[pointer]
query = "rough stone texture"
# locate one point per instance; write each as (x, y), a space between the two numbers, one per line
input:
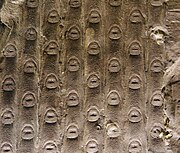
(90, 76)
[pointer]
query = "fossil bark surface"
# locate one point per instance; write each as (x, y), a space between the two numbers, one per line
(90, 76)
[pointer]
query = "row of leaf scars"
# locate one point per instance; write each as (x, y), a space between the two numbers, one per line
(50, 81)
(28, 74)
(154, 95)
(135, 96)
(8, 104)
(93, 104)
(73, 85)
(114, 71)
(8, 99)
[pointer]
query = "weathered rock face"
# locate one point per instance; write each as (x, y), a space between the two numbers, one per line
(90, 76)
